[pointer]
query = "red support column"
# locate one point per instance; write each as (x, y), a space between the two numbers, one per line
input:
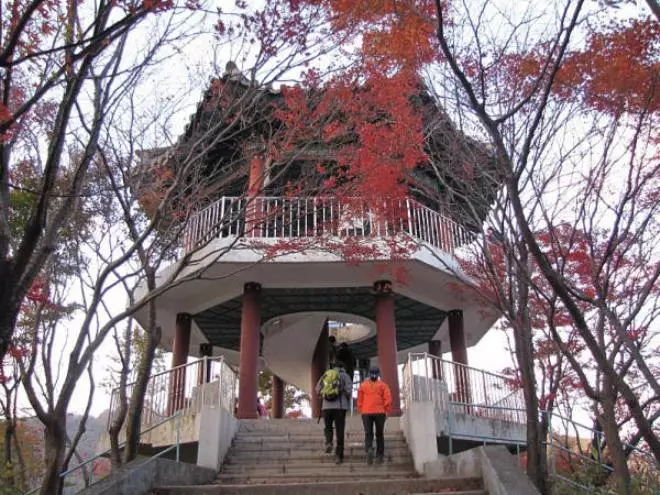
(254, 213)
(180, 348)
(249, 358)
(435, 349)
(386, 340)
(278, 397)
(319, 365)
(256, 177)
(459, 355)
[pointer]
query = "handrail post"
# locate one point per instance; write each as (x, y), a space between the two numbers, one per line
(427, 380)
(178, 435)
(552, 453)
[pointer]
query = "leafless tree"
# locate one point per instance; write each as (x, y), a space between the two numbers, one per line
(554, 169)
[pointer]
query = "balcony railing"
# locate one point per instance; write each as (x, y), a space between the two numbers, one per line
(462, 389)
(286, 218)
(184, 389)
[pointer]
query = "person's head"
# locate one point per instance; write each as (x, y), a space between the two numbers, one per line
(332, 339)
(374, 373)
(343, 345)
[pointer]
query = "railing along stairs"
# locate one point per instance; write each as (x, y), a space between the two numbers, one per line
(466, 390)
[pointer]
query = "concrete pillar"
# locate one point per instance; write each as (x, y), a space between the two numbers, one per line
(204, 369)
(459, 355)
(180, 348)
(386, 340)
(435, 349)
(319, 365)
(249, 357)
(278, 397)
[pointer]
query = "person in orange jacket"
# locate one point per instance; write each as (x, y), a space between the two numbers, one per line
(374, 402)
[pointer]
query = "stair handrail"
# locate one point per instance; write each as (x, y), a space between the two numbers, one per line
(176, 446)
(163, 388)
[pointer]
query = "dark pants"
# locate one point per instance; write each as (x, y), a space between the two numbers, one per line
(369, 420)
(338, 417)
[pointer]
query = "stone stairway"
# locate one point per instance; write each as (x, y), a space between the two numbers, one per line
(287, 457)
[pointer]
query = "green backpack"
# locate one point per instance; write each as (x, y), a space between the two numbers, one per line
(331, 385)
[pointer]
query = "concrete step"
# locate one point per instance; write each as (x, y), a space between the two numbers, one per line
(309, 476)
(456, 486)
(279, 457)
(353, 423)
(267, 437)
(313, 469)
(469, 492)
(309, 449)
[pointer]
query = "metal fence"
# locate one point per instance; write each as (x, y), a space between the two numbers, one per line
(285, 218)
(185, 388)
(88, 468)
(462, 389)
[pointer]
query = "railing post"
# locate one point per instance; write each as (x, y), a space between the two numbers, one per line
(553, 464)
(427, 380)
(178, 435)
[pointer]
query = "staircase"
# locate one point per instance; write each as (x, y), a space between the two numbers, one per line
(288, 457)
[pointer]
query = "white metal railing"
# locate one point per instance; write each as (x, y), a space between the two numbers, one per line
(185, 388)
(461, 388)
(89, 474)
(300, 217)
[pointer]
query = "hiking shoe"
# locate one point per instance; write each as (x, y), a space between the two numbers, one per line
(379, 459)
(338, 459)
(328, 448)
(370, 456)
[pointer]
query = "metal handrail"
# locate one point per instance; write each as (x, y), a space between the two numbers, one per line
(457, 364)
(177, 446)
(172, 389)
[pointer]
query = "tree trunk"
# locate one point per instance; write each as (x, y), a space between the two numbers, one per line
(137, 396)
(55, 448)
(8, 464)
(113, 434)
(614, 445)
(537, 463)
(9, 308)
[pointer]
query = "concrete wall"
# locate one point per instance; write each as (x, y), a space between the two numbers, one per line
(418, 425)
(470, 426)
(467, 463)
(219, 428)
(163, 435)
(141, 476)
(494, 464)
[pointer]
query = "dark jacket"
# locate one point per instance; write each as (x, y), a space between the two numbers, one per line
(345, 356)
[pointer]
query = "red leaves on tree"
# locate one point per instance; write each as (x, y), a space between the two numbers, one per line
(395, 34)
(38, 292)
(617, 70)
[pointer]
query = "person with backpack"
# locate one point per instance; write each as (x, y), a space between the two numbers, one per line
(374, 403)
(335, 388)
